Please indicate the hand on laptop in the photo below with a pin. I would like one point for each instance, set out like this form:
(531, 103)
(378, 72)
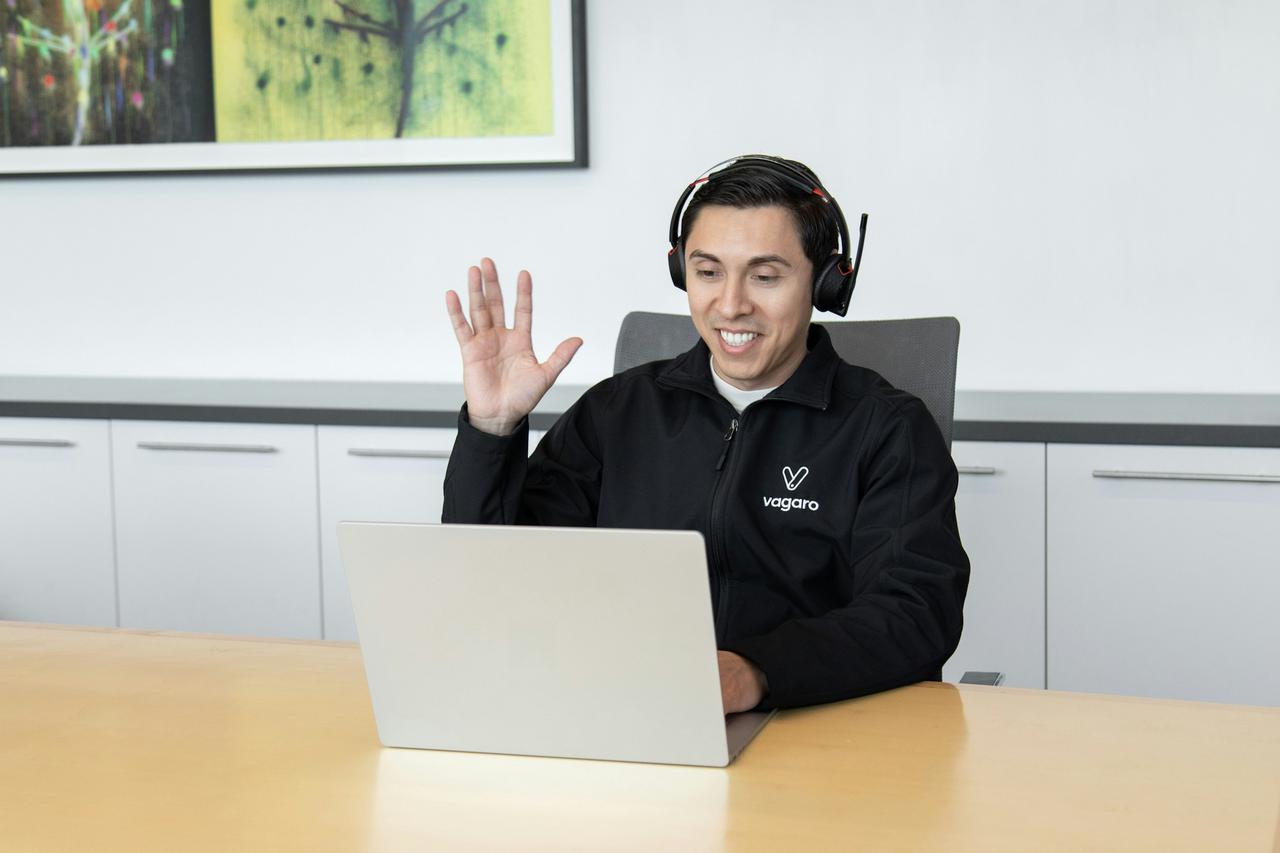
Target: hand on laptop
(501, 376)
(742, 684)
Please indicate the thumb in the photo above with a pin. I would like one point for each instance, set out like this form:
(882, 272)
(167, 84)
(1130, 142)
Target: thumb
(560, 359)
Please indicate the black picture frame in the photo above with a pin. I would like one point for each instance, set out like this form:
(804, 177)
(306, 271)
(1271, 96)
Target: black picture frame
(566, 148)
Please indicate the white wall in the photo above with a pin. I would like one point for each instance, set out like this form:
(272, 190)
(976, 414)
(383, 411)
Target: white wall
(1091, 187)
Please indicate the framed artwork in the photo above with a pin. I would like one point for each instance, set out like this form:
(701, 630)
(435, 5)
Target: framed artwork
(92, 86)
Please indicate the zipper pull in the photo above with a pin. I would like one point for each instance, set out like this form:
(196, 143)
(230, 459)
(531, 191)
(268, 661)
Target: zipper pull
(728, 439)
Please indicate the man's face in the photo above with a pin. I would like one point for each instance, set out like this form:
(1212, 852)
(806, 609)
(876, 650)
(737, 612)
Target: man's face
(750, 292)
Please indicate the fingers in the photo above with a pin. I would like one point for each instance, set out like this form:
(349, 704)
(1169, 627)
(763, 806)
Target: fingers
(493, 293)
(524, 303)
(742, 684)
(560, 359)
(726, 681)
(480, 317)
(453, 305)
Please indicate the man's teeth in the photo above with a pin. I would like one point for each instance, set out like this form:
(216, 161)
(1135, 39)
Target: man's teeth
(737, 339)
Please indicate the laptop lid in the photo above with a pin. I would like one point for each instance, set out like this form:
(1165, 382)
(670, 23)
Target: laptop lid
(569, 642)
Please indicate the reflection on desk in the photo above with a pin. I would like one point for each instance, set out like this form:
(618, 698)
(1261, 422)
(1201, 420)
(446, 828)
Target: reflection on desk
(117, 740)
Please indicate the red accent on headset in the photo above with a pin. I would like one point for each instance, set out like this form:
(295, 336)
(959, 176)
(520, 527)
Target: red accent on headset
(699, 181)
(671, 251)
(844, 270)
(819, 193)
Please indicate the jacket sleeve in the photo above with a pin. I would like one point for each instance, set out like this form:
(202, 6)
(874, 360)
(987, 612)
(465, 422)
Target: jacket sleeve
(910, 575)
(491, 479)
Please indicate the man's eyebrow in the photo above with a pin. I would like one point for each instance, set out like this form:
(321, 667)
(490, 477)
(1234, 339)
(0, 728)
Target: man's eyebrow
(754, 262)
(768, 259)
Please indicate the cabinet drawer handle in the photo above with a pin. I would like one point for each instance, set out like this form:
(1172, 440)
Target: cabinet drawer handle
(208, 448)
(36, 442)
(400, 454)
(1174, 475)
(975, 469)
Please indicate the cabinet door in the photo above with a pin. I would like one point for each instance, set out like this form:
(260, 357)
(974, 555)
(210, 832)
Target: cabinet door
(1000, 509)
(217, 528)
(56, 551)
(1164, 576)
(373, 474)
(376, 474)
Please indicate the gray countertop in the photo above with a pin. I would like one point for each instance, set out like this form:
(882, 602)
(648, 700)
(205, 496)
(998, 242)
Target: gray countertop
(1247, 420)
(1219, 420)
(254, 393)
(1114, 407)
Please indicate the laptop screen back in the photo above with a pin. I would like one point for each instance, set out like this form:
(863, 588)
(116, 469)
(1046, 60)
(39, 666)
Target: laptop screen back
(574, 642)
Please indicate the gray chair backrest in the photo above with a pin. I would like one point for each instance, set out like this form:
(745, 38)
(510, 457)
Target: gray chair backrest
(917, 355)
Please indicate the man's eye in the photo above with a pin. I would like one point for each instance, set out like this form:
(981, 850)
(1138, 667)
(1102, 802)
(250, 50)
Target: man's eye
(767, 279)
(706, 273)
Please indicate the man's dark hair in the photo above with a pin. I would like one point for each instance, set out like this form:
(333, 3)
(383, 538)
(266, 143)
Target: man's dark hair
(750, 185)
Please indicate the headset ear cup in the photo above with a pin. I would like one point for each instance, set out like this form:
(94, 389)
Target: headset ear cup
(675, 262)
(832, 288)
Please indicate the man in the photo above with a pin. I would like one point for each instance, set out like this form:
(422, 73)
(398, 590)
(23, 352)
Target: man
(825, 495)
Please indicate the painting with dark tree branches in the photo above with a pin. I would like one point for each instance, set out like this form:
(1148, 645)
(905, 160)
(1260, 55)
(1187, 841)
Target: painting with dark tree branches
(370, 69)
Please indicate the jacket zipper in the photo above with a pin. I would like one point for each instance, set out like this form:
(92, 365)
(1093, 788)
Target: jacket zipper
(718, 570)
(728, 440)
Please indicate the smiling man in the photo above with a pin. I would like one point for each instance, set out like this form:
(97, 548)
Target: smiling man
(751, 309)
(825, 495)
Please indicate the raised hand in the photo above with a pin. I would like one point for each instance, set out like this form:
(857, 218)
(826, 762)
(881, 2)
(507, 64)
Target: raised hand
(501, 376)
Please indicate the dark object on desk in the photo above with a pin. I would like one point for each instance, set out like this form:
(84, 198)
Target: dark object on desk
(917, 355)
(990, 679)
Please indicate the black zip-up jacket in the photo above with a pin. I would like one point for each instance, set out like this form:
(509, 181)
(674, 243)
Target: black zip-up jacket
(827, 508)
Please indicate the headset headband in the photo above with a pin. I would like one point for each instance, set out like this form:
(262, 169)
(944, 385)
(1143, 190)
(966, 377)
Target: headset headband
(775, 166)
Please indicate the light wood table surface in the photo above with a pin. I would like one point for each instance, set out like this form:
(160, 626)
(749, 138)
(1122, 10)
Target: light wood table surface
(141, 741)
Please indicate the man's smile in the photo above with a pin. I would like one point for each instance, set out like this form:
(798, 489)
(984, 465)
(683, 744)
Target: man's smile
(735, 342)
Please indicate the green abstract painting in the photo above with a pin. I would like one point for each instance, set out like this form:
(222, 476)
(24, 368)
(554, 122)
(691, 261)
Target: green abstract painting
(294, 70)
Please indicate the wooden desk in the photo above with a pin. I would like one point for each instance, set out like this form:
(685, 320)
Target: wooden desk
(116, 740)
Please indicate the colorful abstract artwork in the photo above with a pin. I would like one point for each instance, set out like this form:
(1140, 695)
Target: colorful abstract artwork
(92, 72)
(143, 85)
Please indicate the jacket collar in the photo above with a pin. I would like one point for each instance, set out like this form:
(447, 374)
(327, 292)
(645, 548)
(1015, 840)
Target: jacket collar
(810, 385)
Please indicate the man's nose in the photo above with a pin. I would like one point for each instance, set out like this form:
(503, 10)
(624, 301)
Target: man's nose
(733, 300)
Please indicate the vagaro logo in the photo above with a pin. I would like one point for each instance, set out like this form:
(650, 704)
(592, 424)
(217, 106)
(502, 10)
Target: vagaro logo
(792, 478)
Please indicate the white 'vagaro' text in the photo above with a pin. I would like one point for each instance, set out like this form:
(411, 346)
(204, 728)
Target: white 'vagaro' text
(787, 504)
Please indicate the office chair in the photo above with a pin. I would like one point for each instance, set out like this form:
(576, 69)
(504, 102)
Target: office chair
(917, 355)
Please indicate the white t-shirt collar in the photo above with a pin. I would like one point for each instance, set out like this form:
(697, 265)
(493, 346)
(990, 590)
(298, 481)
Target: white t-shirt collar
(738, 398)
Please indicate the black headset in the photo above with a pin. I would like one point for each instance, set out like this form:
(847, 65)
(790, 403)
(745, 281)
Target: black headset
(833, 282)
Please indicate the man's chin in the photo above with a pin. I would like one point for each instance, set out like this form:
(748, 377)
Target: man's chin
(739, 376)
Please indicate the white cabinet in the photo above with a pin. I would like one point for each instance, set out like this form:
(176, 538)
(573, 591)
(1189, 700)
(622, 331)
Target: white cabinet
(216, 527)
(1000, 509)
(1164, 575)
(375, 474)
(56, 555)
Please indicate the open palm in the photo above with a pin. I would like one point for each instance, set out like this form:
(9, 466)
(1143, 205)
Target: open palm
(502, 378)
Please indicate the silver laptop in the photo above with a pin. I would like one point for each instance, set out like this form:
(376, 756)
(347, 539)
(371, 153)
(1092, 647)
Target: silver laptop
(569, 642)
